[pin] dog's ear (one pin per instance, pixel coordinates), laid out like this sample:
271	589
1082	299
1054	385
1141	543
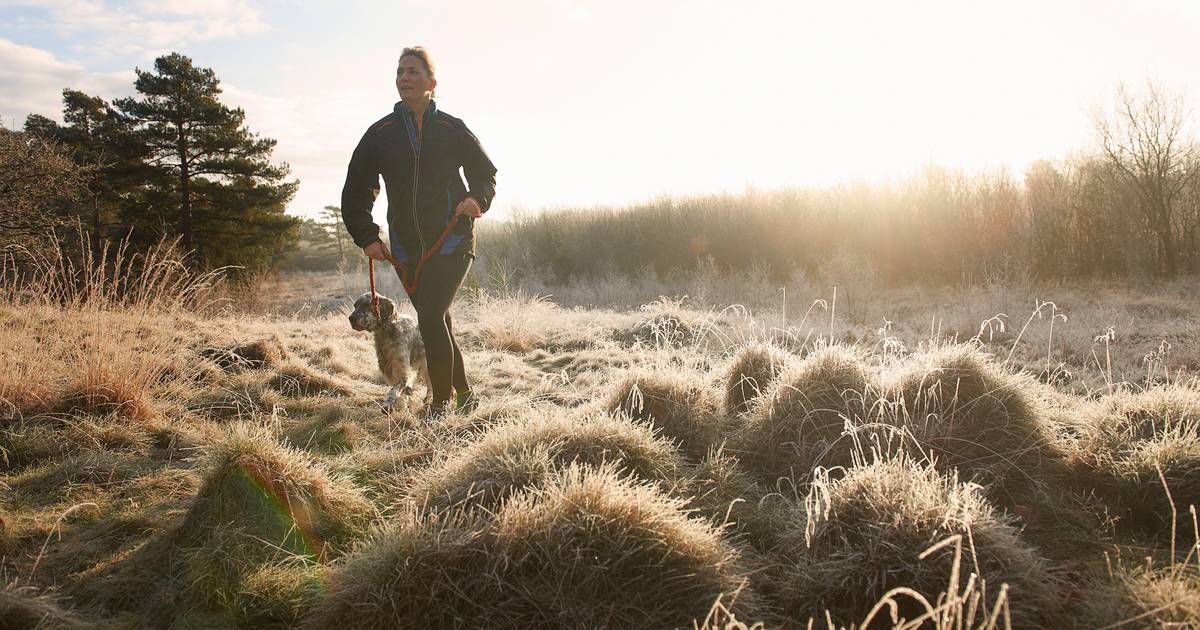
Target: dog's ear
386	308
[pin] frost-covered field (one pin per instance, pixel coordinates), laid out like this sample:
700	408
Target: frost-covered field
885	454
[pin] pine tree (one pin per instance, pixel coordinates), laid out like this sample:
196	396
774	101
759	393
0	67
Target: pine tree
230	198
101	141
332	216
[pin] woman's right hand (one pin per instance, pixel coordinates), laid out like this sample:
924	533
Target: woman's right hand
376	251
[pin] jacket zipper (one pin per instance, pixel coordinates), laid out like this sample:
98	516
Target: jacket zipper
416	180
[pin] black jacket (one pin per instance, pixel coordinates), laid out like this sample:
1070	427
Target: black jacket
422	179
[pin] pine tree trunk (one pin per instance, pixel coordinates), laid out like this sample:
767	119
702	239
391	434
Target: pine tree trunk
96	225
185	193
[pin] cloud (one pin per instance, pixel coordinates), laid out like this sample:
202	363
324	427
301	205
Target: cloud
32	81
104	28
315	136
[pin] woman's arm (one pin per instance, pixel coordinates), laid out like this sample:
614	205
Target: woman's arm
480	172
359	193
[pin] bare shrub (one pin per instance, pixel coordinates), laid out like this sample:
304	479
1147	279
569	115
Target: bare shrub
36	176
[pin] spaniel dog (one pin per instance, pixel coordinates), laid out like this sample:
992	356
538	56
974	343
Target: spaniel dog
398	346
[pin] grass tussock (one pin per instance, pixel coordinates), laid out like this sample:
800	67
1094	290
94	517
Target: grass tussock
753	370
586	549
77	477
523	453
1127	439
968	413
29	441
518	322
666	323
814	415
96	362
262	505
300	380
253	355
25	607
732	499
1147	597
330	429
280	596
865	534
678	403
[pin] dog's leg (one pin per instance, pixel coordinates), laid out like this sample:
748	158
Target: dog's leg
405	382
390	401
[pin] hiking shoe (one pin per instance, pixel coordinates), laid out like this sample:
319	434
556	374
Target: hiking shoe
435	413
466	403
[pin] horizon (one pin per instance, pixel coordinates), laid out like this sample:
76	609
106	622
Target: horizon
573	119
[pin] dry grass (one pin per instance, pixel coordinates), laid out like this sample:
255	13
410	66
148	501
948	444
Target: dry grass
751	373
666	322
970	414
524	452
1146	597
253	355
25	607
264	520
864	535
1128	439
586	549
679	404
163	467
54	361
815	414
513	323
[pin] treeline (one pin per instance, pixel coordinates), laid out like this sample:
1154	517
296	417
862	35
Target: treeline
171	163
1132	206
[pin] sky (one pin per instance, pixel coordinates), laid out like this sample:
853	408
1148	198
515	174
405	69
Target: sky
615	102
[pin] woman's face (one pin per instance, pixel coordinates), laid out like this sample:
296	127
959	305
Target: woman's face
412	81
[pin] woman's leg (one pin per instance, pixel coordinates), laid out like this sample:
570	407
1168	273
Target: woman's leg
461	385
440	279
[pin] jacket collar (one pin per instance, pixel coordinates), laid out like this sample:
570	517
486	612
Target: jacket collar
404	110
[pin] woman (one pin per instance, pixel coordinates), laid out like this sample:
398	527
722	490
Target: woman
431	214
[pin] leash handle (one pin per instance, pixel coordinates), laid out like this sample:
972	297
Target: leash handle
374	295
410	287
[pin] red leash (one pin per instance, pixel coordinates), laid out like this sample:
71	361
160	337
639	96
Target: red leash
403	267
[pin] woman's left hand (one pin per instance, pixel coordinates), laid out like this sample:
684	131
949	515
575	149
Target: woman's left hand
469	207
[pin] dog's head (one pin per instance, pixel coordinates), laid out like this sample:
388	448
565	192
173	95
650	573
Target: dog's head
363	315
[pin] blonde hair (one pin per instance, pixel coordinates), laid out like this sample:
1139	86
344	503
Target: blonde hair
422	55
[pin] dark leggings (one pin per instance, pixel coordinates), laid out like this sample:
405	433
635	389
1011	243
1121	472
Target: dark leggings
440	278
